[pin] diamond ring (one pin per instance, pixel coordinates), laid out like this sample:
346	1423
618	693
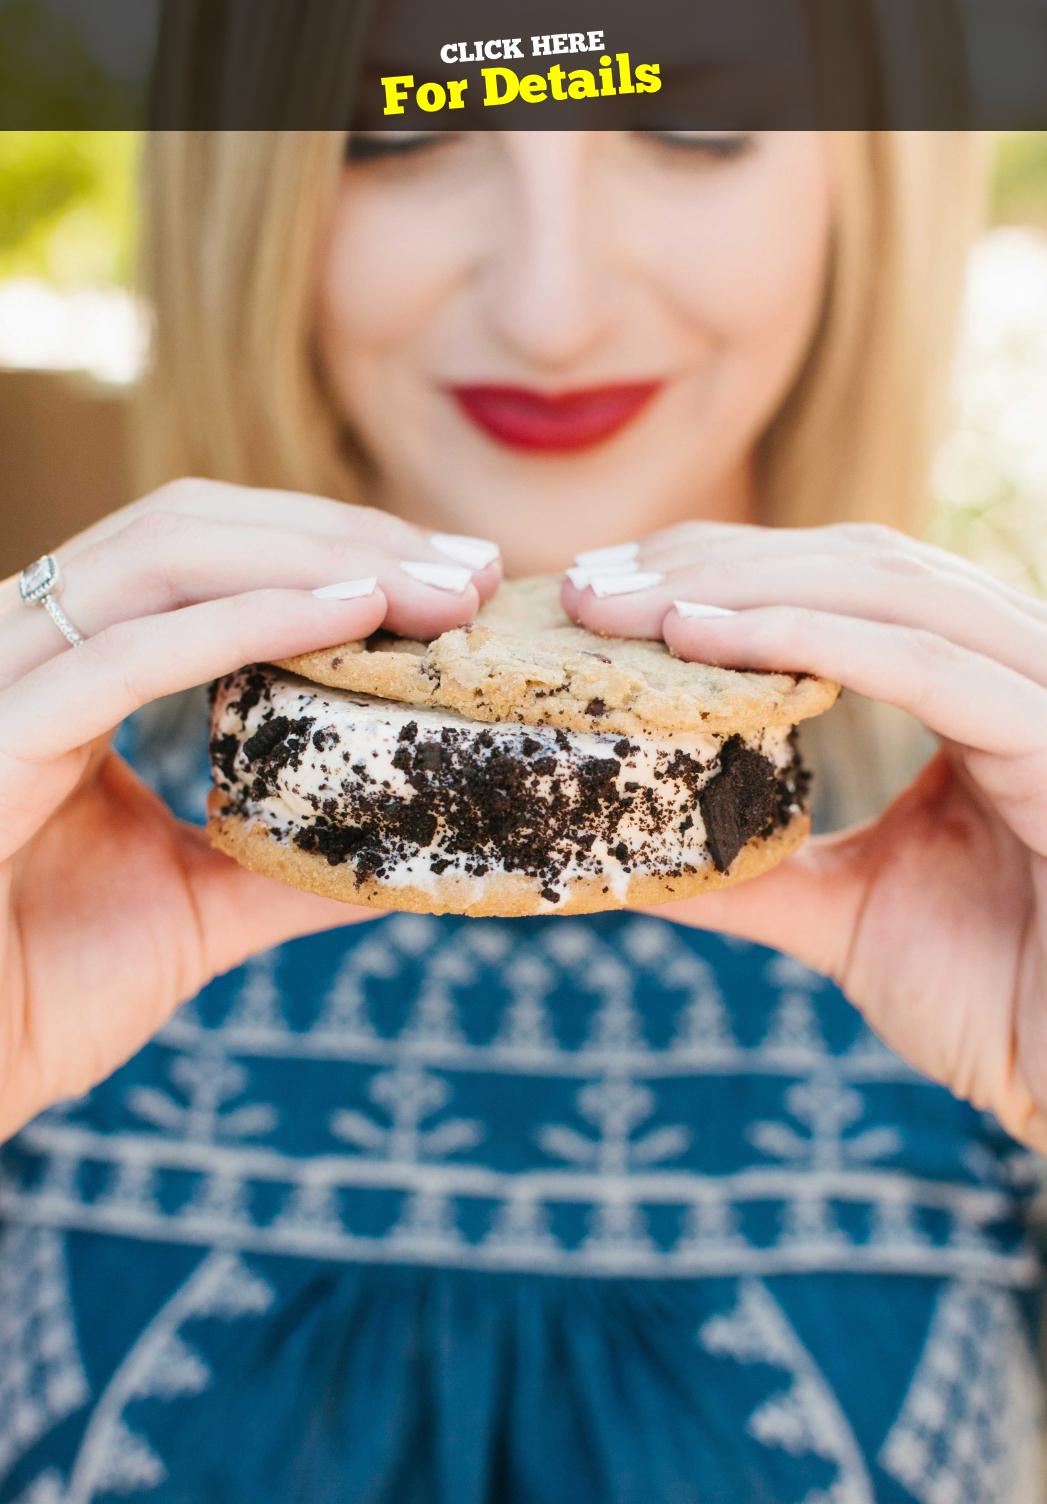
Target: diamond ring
38	585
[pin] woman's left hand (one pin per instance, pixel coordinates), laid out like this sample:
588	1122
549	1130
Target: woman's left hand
932	918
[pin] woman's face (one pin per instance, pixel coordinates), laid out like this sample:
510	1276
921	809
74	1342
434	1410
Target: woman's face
565	339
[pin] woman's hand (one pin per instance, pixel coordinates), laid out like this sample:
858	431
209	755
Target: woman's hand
933	917
112	911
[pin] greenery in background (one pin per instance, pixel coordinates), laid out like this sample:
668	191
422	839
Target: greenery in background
67	205
1019	192
54	72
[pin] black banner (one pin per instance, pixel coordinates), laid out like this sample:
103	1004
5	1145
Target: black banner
523	64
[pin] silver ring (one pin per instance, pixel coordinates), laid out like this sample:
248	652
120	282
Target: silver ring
38	584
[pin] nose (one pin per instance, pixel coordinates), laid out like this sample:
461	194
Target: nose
546	270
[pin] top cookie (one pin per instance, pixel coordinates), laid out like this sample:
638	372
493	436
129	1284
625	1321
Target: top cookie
524	660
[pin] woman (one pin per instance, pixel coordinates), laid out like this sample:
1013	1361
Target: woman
607	1208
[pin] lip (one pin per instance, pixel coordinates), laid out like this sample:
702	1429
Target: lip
553	422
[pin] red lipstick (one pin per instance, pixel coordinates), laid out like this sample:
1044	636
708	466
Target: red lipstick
553	422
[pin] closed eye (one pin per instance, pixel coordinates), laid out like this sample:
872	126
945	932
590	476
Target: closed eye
370	146
721	145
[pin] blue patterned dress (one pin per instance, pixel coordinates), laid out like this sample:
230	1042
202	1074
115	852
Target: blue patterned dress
546	1211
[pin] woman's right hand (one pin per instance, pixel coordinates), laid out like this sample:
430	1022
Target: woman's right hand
112	912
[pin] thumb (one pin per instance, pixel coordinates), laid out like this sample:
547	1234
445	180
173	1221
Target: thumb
808	906
813	903
242	912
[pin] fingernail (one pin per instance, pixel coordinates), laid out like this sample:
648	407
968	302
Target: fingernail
622	584
347	590
581	577
691	609
476	552
440	576
601	558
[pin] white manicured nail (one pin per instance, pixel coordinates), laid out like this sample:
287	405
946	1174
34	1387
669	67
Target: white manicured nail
692	609
581	577
622	584
347	590
476	552
440	576
602	558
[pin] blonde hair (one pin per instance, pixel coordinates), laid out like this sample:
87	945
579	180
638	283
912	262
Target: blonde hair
234	230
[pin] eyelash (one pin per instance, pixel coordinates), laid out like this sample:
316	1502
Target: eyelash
723	148
363	146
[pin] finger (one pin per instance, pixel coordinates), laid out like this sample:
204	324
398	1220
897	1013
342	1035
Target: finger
716	544
86	691
223	501
807	906
163	560
955	692
242	912
886	587
341	519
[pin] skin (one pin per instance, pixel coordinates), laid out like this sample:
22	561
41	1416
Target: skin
478	260
565	260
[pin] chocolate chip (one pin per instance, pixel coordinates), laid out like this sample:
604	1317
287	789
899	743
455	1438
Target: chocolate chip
429	757
596	708
269	735
738	802
223	753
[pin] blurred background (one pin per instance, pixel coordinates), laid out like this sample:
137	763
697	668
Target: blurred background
73	340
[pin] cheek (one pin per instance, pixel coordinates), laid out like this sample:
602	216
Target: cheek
386	268
750	257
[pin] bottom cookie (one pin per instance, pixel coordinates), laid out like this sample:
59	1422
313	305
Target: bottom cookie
496	895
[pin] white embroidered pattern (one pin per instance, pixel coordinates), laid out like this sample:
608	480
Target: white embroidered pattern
970	1427
115	1458
827	1173
805	1418
42	1379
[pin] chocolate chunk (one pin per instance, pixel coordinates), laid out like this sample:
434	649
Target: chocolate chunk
223	751
550	894
596	708
738	802
623	748
255	683
269	735
429	757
